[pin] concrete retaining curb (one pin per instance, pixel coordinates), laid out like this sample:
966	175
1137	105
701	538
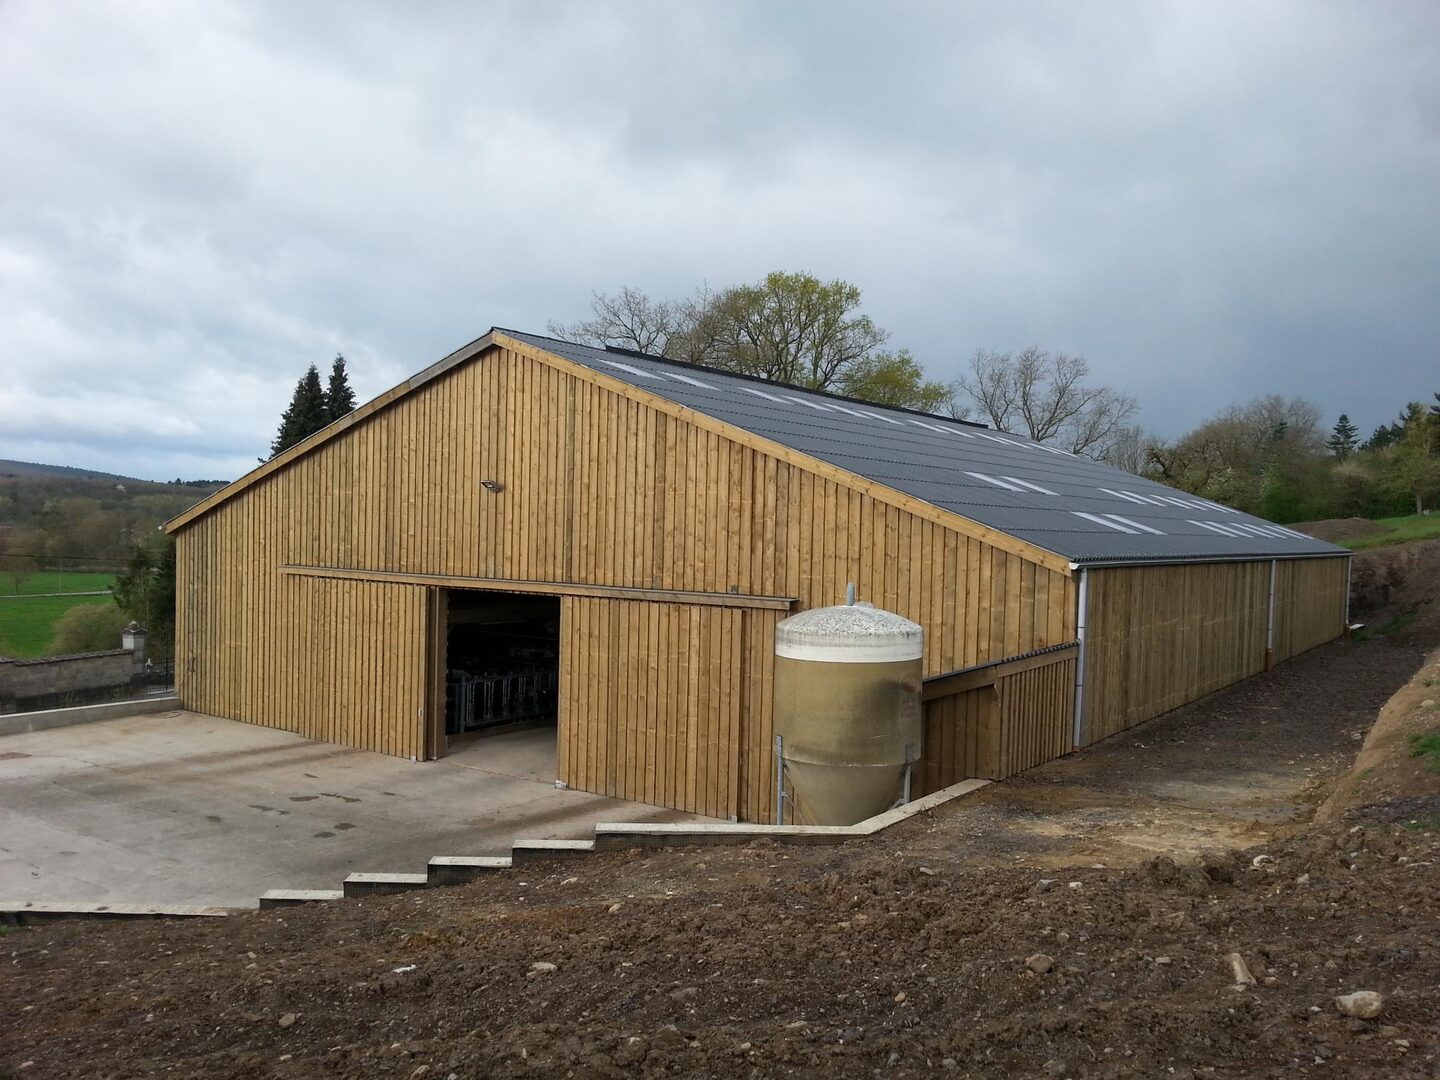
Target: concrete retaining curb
45	719
610	837
458	869
38	911
290	897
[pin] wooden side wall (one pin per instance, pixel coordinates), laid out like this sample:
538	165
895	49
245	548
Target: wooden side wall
342	661
1020	721
1158	637
961	740
652	702
1310	597
1037	710
598	489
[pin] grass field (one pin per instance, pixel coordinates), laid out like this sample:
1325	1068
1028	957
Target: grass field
27	623
1398	530
56	581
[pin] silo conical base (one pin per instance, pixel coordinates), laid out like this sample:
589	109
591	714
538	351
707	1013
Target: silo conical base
827	794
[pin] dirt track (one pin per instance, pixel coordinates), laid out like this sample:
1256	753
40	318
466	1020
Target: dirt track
897	957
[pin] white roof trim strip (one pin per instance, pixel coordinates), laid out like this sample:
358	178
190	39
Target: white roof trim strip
1223	530
1152	500
877	416
634	370
687	379
1028	484
763	394
996	481
1126	496
1254	529
1106	522
1212	528
804	401
1139	525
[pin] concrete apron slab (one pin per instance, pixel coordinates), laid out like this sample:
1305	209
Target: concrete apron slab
186	809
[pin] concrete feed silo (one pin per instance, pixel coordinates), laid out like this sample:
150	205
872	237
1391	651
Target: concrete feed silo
847	710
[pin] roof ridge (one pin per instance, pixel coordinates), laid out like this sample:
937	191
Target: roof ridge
708	369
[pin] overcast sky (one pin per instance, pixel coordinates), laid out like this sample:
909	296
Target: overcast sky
1207	201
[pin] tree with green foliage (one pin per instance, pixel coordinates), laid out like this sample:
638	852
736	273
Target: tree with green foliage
339	398
792	328
1352	488
87	628
1343	439
1383	436
145	592
1266	457
307	414
894	378
1412	464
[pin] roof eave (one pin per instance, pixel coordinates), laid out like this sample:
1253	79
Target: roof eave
1108	561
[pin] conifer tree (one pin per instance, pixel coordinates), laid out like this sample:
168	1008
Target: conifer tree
339	398
307	414
1344	439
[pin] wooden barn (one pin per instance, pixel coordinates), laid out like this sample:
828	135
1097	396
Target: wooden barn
536	531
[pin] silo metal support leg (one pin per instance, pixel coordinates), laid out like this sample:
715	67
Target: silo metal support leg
780	781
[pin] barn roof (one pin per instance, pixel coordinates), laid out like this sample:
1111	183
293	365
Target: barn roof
1076	508
1080	509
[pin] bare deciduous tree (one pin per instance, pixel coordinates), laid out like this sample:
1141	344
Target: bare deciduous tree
1130	450
629	319
1045	395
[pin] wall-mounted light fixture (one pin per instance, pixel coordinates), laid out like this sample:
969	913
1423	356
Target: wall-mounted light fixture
492	486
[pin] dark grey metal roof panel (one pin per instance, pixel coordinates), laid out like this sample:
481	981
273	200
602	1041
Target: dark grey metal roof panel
1078	508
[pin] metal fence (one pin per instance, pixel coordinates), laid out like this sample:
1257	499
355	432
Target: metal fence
473	702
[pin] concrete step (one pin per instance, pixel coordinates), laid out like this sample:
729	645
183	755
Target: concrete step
289	897
29	911
530	850
383	884
458	869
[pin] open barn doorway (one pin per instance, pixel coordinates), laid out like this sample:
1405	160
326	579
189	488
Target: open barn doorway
502	666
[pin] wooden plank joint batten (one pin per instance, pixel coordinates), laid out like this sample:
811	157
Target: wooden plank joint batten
546	588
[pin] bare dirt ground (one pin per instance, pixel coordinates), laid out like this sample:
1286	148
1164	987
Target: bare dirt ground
1125	876
1393	589
1338	530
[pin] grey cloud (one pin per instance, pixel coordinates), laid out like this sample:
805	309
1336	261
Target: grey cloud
1208	201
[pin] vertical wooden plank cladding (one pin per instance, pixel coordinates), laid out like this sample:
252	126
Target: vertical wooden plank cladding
1161	636
1309	604
663	731
597	490
992	732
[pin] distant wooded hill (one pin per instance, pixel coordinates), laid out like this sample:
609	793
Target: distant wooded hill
31	469
55	515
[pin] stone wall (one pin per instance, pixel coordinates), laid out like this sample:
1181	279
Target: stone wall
46	683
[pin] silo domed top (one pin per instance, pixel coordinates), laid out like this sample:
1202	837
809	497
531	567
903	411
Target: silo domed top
849	634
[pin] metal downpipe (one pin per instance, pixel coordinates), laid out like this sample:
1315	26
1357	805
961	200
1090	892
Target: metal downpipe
1082	604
